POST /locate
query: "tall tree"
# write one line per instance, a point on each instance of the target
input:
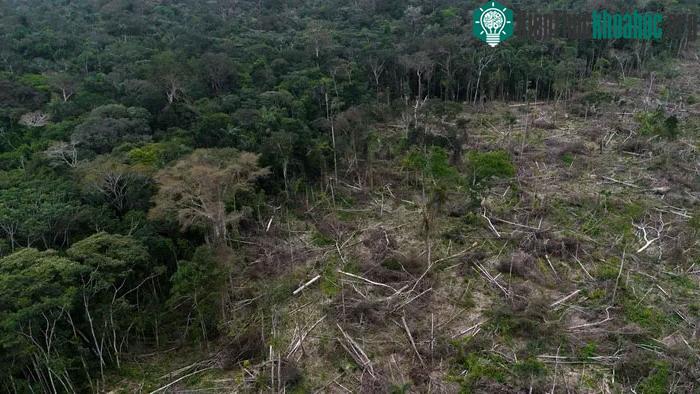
(198, 188)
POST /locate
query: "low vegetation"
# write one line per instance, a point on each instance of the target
(237, 196)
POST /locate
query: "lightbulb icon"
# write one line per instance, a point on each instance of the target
(493, 21)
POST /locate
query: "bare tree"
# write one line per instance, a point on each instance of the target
(63, 153)
(318, 38)
(423, 66)
(484, 61)
(64, 84)
(376, 66)
(198, 188)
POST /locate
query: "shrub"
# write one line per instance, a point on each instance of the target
(656, 123)
(487, 165)
(597, 97)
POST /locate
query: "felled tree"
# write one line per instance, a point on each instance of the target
(197, 189)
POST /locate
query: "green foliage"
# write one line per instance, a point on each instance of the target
(319, 239)
(589, 350)
(695, 221)
(658, 381)
(392, 264)
(108, 126)
(47, 299)
(648, 318)
(36, 81)
(34, 210)
(157, 154)
(431, 168)
(597, 97)
(567, 158)
(402, 389)
(419, 161)
(480, 368)
(196, 287)
(658, 124)
(112, 257)
(529, 367)
(330, 281)
(484, 166)
(214, 130)
(607, 270)
(37, 290)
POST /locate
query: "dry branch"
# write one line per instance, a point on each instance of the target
(565, 298)
(411, 300)
(356, 352)
(367, 280)
(608, 318)
(479, 268)
(490, 224)
(620, 182)
(307, 284)
(181, 378)
(297, 344)
(464, 332)
(413, 343)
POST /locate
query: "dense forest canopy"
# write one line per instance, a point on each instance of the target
(144, 145)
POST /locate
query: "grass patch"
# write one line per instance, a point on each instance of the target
(529, 367)
(608, 270)
(479, 368)
(596, 295)
(658, 380)
(330, 283)
(588, 350)
(321, 240)
(648, 318)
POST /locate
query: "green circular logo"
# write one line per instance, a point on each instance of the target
(493, 23)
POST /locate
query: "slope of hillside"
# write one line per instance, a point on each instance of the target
(576, 272)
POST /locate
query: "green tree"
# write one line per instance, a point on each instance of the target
(38, 291)
(116, 267)
(108, 126)
(196, 290)
(436, 177)
(36, 210)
